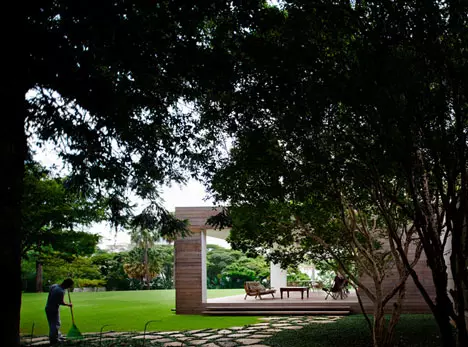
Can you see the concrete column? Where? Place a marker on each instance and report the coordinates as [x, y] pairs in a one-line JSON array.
[[203, 265], [278, 276]]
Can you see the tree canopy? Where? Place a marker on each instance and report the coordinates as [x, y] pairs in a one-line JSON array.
[[134, 94], [365, 102], [105, 84]]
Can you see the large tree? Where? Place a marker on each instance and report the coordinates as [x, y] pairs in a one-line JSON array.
[[372, 92], [105, 84], [51, 214]]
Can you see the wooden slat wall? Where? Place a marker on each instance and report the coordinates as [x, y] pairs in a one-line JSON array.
[[188, 260], [414, 302], [188, 274], [196, 216]]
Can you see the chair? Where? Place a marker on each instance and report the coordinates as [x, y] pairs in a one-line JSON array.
[[338, 290], [253, 288]]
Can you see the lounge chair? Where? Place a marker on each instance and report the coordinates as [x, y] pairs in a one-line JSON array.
[[253, 288], [338, 290]]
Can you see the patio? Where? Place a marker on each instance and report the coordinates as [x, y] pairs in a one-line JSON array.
[[314, 305]]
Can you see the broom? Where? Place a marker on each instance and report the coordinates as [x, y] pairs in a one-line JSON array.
[[74, 332]]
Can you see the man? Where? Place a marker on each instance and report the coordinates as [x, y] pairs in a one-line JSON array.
[[54, 300]]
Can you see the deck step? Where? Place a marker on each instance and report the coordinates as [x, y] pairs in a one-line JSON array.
[[276, 308], [276, 313]]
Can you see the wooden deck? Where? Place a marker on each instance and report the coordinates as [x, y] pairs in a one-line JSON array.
[[294, 305]]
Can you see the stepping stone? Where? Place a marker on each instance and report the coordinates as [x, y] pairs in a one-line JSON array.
[[272, 330], [237, 335], [226, 343], [37, 339], [198, 342], [178, 335], [280, 325], [261, 324], [173, 344], [259, 346], [148, 337], [185, 338], [162, 340], [114, 333], [211, 344], [41, 343], [237, 328], [293, 327], [213, 337], [323, 322], [224, 331], [202, 334], [248, 341], [258, 336]]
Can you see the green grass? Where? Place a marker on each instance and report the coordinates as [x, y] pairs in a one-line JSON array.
[[412, 331], [125, 311]]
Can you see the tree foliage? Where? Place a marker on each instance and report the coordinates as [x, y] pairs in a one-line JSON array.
[[105, 85], [228, 268], [50, 208], [367, 99]]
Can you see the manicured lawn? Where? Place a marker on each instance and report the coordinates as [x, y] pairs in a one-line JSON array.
[[412, 331], [126, 311]]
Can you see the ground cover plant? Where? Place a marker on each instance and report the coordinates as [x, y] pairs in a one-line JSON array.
[[412, 330]]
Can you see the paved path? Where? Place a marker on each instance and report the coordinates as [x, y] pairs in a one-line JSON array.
[[250, 335]]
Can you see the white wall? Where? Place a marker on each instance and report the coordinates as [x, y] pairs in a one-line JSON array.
[[278, 276], [203, 264]]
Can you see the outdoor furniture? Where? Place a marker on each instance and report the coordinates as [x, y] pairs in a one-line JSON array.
[[294, 289], [253, 288], [338, 290]]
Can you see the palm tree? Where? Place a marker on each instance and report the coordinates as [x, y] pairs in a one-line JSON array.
[[151, 225]]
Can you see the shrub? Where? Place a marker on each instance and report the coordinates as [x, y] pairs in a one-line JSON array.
[[85, 282]]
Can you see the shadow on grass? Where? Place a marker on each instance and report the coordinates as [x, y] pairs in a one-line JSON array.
[[412, 331]]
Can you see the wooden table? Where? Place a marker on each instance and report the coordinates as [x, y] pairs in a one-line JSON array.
[[294, 289]]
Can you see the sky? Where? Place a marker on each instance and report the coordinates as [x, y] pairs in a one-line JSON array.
[[191, 194]]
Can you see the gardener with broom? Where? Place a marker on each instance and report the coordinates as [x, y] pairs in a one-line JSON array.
[[54, 300]]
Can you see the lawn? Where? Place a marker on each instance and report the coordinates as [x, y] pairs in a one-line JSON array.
[[413, 330], [125, 311]]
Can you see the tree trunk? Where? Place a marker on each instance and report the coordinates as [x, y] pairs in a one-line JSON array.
[[39, 277], [378, 333], [12, 156], [396, 313], [458, 267], [147, 268]]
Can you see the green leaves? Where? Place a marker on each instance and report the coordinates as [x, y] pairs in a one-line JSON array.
[[52, 210]]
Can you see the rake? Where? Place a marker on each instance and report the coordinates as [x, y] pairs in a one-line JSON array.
[[74, 333]]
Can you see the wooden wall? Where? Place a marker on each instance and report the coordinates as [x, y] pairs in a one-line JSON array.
[[188, 274], [414, 302], [190, 258], [197, 216]]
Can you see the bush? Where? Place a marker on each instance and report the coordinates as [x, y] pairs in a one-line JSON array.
[[297, 279], [85, 282]]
